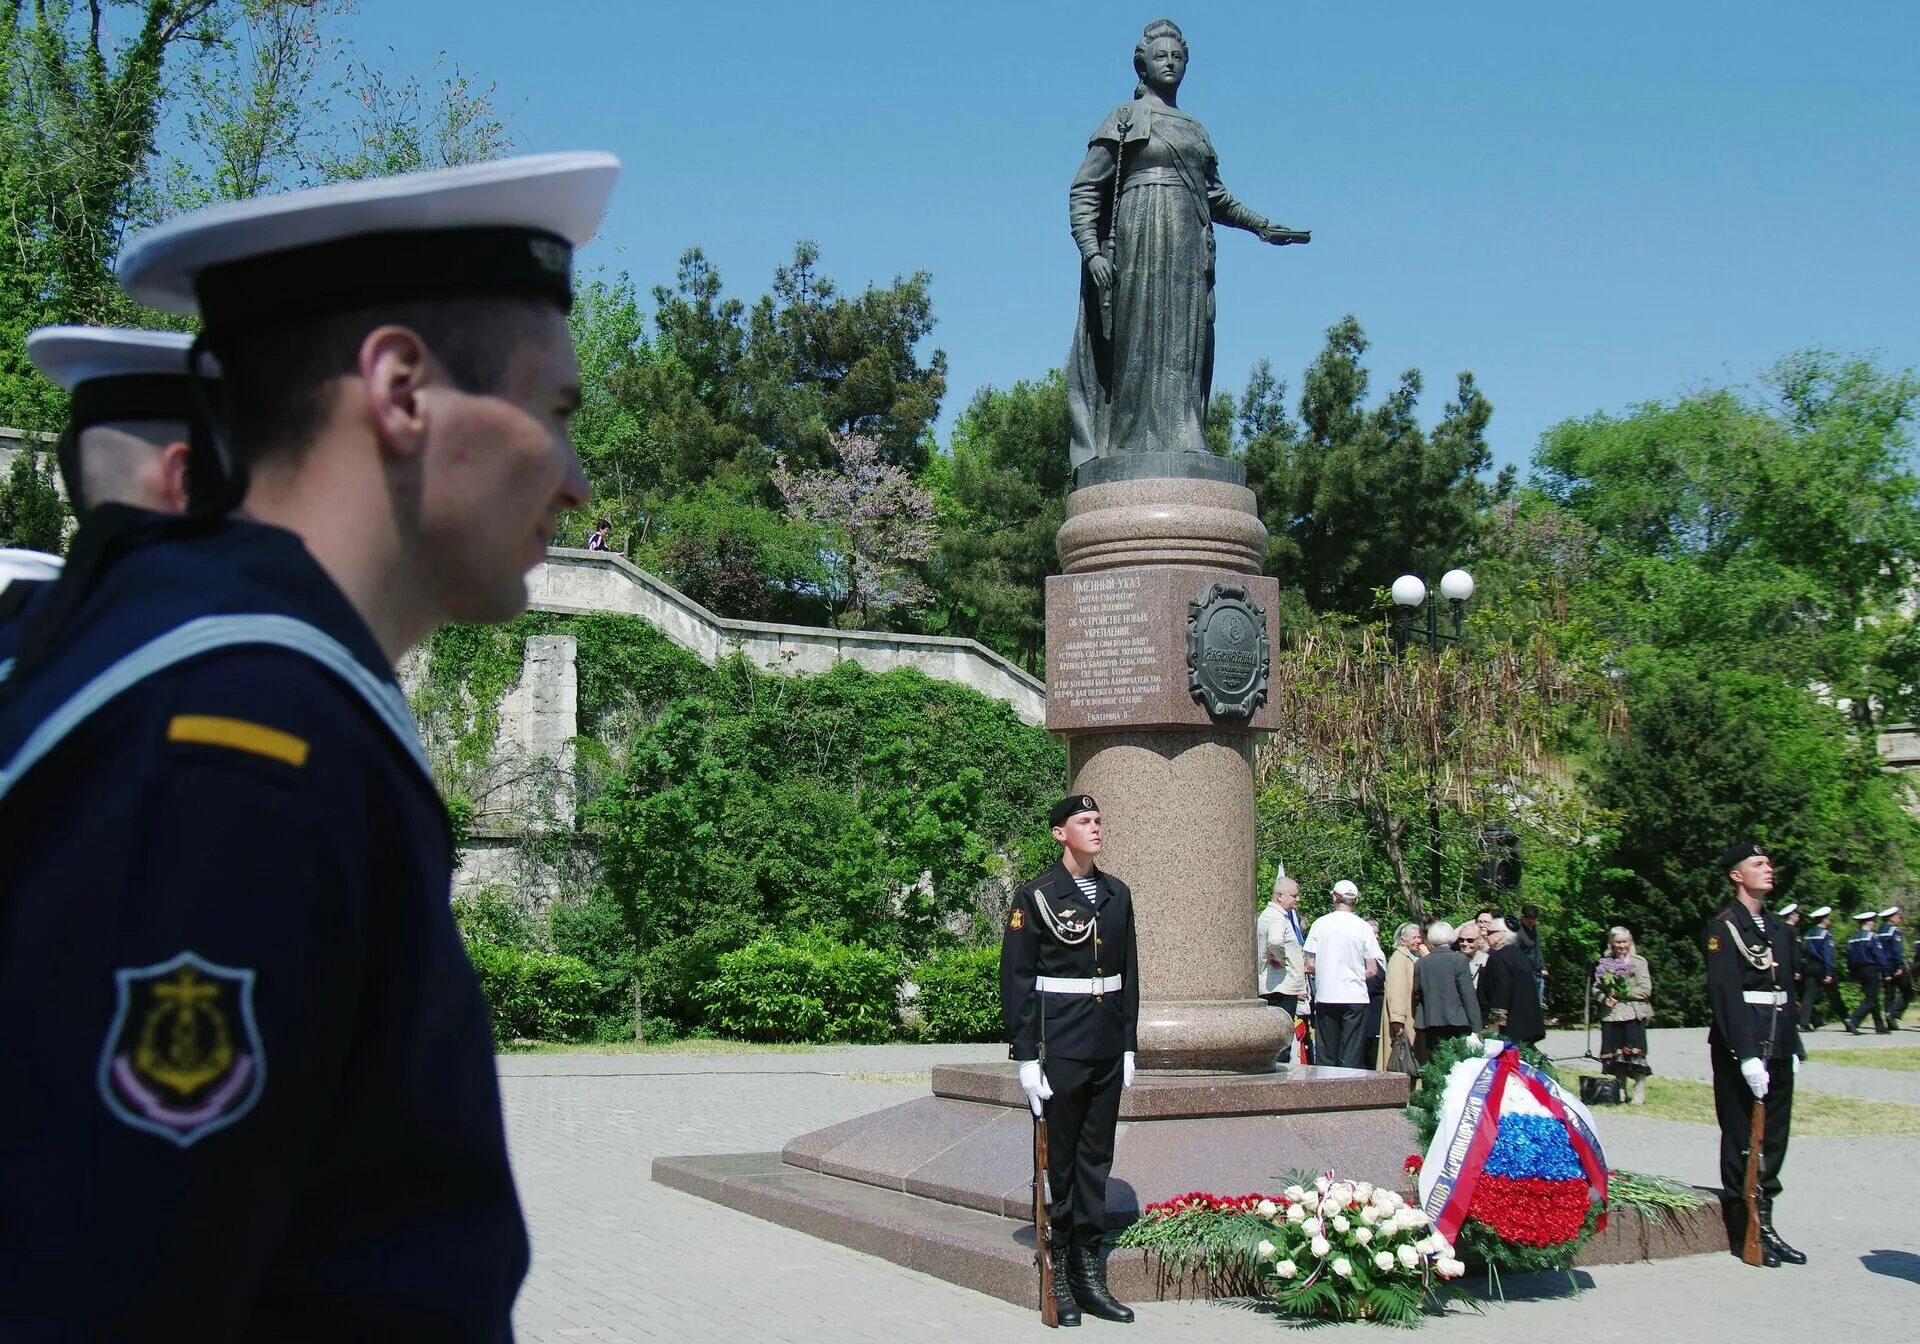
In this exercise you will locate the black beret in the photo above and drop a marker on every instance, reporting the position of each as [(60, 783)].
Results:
[(1735, 854), (1071, 806)]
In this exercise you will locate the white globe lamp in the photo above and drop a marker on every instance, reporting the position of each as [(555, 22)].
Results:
[(1409, 591), (1456, 585)]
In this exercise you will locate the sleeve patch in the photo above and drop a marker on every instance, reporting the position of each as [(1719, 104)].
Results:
[(1713, 942), (1018, 920), (212, 730)]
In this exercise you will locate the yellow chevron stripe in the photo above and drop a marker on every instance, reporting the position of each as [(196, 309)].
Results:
[(214, 731)]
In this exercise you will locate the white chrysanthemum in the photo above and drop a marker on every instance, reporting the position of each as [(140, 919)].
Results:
[(1286, 1269), (1319, 1246), (1364, 1236), (1408, 1257), (1383, 1260), (1342, 1226), (1266, 1208), (1265, 1249), (1296, 1214), (1343, 1267)]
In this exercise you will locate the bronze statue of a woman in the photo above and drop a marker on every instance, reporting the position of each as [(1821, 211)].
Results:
[(1142, 208)]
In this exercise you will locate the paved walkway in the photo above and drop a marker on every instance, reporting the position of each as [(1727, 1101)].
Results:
[(618, 1258)]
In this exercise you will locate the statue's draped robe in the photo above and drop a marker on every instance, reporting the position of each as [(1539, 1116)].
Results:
[(1138, 377)]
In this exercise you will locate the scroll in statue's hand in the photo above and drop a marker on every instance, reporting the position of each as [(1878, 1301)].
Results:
[(1101, 269), (1280, 236)]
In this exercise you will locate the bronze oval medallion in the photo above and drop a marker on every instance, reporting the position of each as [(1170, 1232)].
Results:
[(1228, 660)]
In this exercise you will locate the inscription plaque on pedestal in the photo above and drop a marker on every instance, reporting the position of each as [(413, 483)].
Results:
[(1117, 644)]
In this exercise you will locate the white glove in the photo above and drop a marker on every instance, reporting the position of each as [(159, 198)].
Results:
[(1126, 1071), (1034, 1084), (1755, 1072), (1796, 1066)]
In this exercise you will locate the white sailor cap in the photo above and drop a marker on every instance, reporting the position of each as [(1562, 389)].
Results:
[(1821, 913), (1888, 912), (508, 227), (114, 374), (1788, 908), (73, 356), (1866, 915), (16, 563)]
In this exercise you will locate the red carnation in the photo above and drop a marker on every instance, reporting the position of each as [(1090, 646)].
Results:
[(1413, 1164)]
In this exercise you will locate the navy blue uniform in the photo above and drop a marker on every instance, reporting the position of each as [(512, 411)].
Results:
[(251, 1088), (1867, 962), (1817, 958), (1893, 960)]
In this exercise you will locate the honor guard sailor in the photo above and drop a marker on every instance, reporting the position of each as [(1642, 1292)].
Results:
[(251, 1086), (1893, 961), (1070, 999), (1866, 958), (1754, 1039), (128, 416)]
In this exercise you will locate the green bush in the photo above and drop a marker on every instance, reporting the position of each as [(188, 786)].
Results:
[(545, 996), (808, 989), (960, 994)]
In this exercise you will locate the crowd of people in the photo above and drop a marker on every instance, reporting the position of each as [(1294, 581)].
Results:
[(1371, 1006)]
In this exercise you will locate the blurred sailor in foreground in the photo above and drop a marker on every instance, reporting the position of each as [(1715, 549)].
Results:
[(254, 1094)]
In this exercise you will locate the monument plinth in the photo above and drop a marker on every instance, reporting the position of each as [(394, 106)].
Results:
[(1159, 640)]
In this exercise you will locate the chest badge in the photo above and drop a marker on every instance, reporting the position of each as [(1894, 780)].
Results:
[(182, 1058)]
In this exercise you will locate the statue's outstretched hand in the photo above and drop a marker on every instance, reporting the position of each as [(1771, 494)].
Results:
[(1101, 269), (1280, 235)]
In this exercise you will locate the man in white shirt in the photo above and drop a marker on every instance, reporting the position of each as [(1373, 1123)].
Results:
[(1341, 953)]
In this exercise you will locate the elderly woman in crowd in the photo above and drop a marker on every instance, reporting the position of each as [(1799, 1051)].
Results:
[(1396, 1012), (1507, 993), (1624, 987), (1444, 1003)]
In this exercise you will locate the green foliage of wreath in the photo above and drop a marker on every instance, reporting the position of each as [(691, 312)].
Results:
[(1431, 1086)]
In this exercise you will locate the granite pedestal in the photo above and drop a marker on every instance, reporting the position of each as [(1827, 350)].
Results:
[(1174, 779)]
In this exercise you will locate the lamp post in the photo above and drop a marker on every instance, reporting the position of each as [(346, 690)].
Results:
[(1410, 592)]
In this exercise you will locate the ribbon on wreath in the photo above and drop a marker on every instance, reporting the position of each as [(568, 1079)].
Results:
[(1466, 1136)]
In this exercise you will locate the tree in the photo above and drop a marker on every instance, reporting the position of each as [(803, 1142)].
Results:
[(33, 515), (875, 525), (1010, 475), (1353, 497), (79, 110)]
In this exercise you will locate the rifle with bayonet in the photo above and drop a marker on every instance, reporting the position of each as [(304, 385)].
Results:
[(1043, 1224)]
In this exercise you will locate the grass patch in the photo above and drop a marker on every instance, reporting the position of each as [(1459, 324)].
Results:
[(1904, 1058), (1816, 1115), (687, 1047), (912, 1078)]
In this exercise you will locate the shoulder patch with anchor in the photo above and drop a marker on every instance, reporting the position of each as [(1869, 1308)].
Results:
[(183, 1057), (1713, 942), (1018, 920)]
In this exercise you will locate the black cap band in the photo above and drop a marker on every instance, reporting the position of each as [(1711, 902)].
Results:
[(370, 269), (119, 399)]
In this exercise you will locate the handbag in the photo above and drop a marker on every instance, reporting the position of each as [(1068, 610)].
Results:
[(1602, 1091), (1400, 1058)]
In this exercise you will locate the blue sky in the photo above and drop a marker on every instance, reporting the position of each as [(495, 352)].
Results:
[(1587, 205)]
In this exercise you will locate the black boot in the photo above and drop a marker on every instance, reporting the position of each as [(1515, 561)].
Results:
[(1773, 1241), (1090, 1286), (1062, 1292)]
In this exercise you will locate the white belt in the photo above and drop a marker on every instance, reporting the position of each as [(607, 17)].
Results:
[(1057, 984), (1772, 998)]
